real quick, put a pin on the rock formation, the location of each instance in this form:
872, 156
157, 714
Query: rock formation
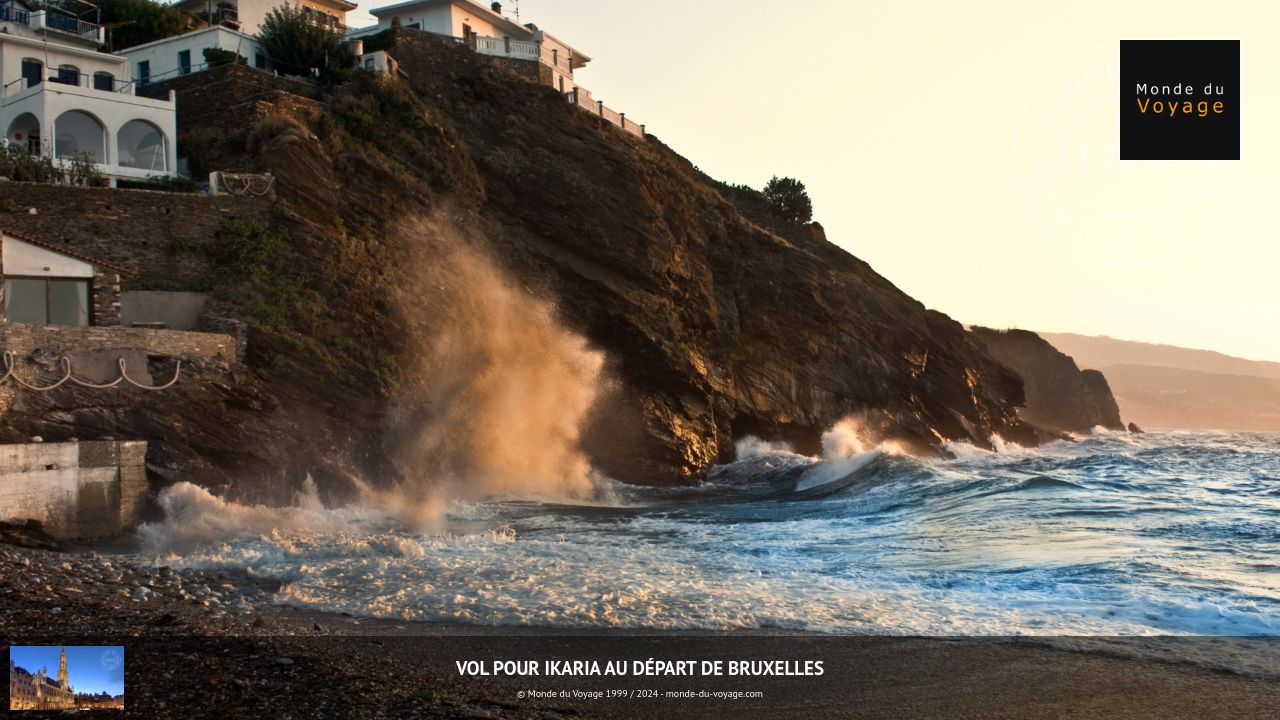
1060, 396
714, 320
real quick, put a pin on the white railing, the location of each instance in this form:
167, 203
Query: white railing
506, 47
532, 51
581, 97
83, 81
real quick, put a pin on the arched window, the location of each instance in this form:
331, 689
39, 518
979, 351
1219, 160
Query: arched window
139, 144
76, 132
104, 81
24, 131
68, 75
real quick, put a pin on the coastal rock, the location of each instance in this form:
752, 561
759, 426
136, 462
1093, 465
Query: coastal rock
1059, 395
716, 321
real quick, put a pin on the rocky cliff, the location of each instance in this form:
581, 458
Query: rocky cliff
1060, 396
712, 321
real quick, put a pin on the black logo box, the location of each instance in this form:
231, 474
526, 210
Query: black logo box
1194, 63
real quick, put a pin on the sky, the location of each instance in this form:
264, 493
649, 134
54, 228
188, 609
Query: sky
969, 151
91, 669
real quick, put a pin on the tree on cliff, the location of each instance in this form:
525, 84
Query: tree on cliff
789, 200
298, 46
135, 22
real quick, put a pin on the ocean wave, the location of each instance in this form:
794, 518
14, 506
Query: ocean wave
1109, 535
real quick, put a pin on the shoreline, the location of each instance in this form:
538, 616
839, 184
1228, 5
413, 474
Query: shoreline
218, 641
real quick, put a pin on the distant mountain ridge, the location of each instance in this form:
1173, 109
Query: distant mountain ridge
1100, 352
1060, 396
1164, 386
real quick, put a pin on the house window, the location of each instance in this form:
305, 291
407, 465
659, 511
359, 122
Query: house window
369, 64
47, 301
32, 71
184, 62
104, 81
68, 75
144, 72
260, 61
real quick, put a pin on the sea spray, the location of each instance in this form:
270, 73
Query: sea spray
494, 391
491, 395
194, 517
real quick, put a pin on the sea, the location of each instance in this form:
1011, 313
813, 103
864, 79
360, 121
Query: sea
1110, 534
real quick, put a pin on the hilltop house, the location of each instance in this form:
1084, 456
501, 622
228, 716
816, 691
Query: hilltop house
62, 97
488, 32
247, 15
233, 27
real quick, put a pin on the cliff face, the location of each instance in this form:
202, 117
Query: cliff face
714, 322
1060, 396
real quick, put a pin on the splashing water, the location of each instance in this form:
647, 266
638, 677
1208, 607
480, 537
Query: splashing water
494, 390
1115, 534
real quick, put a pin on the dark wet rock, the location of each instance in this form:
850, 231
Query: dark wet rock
1133, 428
1059, 395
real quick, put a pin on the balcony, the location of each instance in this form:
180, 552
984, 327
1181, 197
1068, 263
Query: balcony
65, 22
12, 13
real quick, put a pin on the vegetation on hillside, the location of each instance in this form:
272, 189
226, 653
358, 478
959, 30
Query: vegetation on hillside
19, 163
297, 46
789, 200
137, 22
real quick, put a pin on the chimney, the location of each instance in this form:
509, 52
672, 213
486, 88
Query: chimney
497, 7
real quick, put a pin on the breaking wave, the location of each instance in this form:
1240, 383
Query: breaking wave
1112, 535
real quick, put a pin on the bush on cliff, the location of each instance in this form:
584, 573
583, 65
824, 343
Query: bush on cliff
789, 200
298, 46
135, 22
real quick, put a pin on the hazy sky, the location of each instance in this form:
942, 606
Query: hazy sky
969, 151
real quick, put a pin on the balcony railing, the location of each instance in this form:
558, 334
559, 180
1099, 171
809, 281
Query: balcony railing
69, 24
9, 13
505, 47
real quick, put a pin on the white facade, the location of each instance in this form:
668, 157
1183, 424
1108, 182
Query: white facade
63, 98
184, 54
247, 15
27, 260
379, 62
456, 18
487, 31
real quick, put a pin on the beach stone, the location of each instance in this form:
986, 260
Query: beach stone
284, 661
475, 713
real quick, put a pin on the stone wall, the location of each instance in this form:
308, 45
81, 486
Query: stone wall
106, 298
177, 310
141, 229
24, 340
76, 490
205, 94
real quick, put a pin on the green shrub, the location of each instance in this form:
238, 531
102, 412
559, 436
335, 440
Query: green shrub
788, 200
136, 22
297, 46
19, 163
162, 183
217, 57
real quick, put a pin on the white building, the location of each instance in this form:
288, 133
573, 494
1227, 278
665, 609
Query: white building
488, 32
247, 15
234, 28
62, 97
172, 57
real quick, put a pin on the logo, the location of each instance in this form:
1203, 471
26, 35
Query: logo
1179, 99
111, 659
